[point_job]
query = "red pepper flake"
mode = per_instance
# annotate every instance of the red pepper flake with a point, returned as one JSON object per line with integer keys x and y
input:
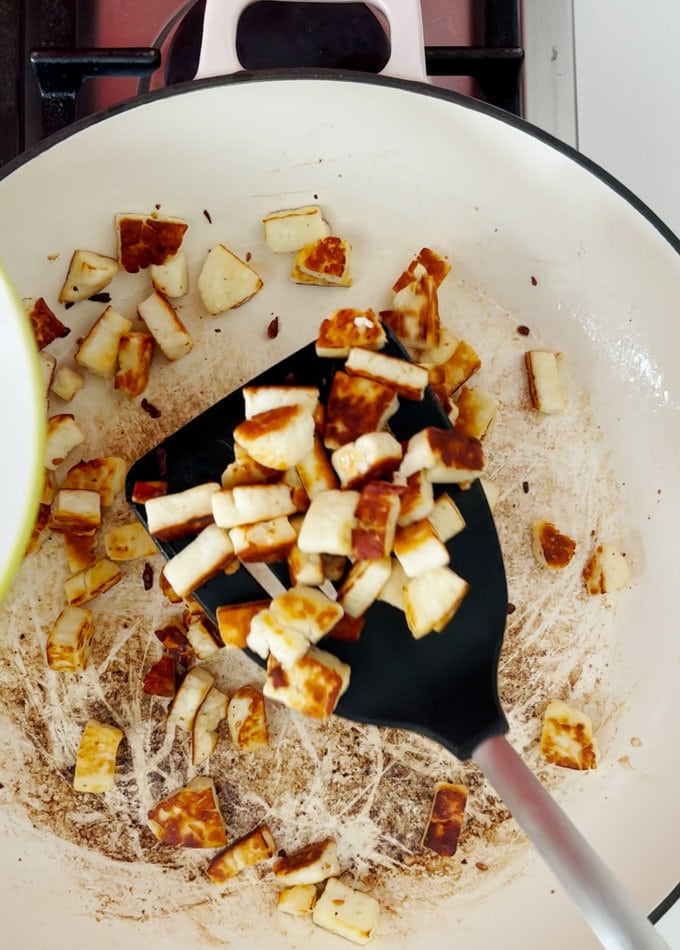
{"x": 206, "y": 215}
{"x": 149, "y": 407}
{"x": 481, "y": 866}
{"x": 273, "y": 329}
{"x": 162, "y": 459}
{"x": 510, "y": 609}
{"x": 249, "y": 257}
{"x": 534, "y": 282}
{"x": 147, "y": 576}
{"x": 525, "y": 487}
{"x": 523, "y": 331}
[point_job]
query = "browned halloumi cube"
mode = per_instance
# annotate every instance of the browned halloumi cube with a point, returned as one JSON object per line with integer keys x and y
{"x": 76, "y": 511}
{"x": 126, "y": 542}
{"x": 69, "y": 640}
{"x": 63, "y": 435}
{"x": 414, "y": 316}
{"x": 96, "y": 758}
{"x": 328, "y": 523}
{"x": 278, "y": 438}
{"x": 324, "y": 262}
{"x": 374, "y": 455}
{"x": 418, "y": 548}
{"x": 406, "y": 379}
{"x": 203, "y": 557}
{"x": 45, "y": 324}
{"x": 431, "y": 599}
{"x": 606, "y": 570}
{"x": 446, "y": 518}
{"x": 311, "y": 686}
{"x": 334, "y": 566}
{"x": 567, "y": 737}
{"x": 349, "y": 327}
{"x": 417, "y": 499}
{"x": 434, "y": 265}
{"x": 253, "y": 848}
{"x": 267, "y": 635}
{"x": 81, "y": 551}
{"x": 362, "y": 585}
{"x": 356, "y": 405}
{"x": 181, "y": 513}
{"x": 477, "y": 409}
{"x": 143, "y": 491}
{"x": 233, "y": 621}
{"x": 190, "y": 817}
{"x": 376, "y": 516}
{"x": 308, "y": 610}
{"x": 348, "y": 628}
{"x": 225, "y": 281}
{"x": 298, "y": 900}
{"x": 161, "y": 679}
{"x": 545, "y": 385}
{"x": 438, "y": 355}
{"x": 167, "y": 591}
{"x": 305, "y": 568}
{"x": 92, "y": 582}
{"x": 204, "y": 736}
{"x": 551, "y": 547}
{"x": 257, "y": 399}
{"x": 98, "y": 350}
{"x": 463, "y": 363}
{"x": 309, "y": 865}
{"x": 267, "y": 541}
{"x": 135, "y": 354}
{"x": 393, "y": 590}
{"x": 445, "y": 455}
{"x": 172, "y": 277}
{"x": 347, "y": 912}
{"x": 193, "y": 689}
{"x": 202, "y": 634}
{"x": 105, "y": 475}
{"x": 315, "y": 471}
{"x": 144, "y": 240}
{"x": 172, "y": 337}
{"x": 248, "y": 504}
{"x": 67, "y": 383}
{"x": 289, "y": 230}
{"x": 246, "y": 471}
{"x": 88, "y": 274}
{"x": 446, "y": 819}
{"x": 247, "y": 719}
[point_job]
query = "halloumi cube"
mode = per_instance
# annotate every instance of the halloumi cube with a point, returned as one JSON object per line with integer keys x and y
{"x": 315, "y": 471}
{"x": 135, "y": 354}
{"x": 406, "y": 379}
{"x": 172, "y": 277}
{"x": 344, "y": 911}
{"x": 233, "y": 622}
{"x": 309, "y": 865}
{"x": 293, "y": 228}
{"x": 418, "y": 548}
{"x": 98, "y": 350}
{"x": 202, "y": 635}
{"x": 253, "y": 848}
{"x": 545, "y": 385}
{"x": 551, "y": 548}
{"x": 63, "y": 435}
{"x": 446, "y": 518}
{"x": 356, "y": 405}
{"x": 362, "y": 585}
{"x": 247, "y": 719}
{"x": 328, "y": 523}
{"x": 298, "y": 900}
{"x": 477, "y": 410}
{"x": 376, "y": 518}
{"x": 248, "y": 504}
{"x": 334, "y": 566}
{"x": 393, "y": 590}
{"x": 246, "y": 471}
{"x": 69, "y": 641}
{"x": 374, "y": 455}
{"x": 445, "y": 821}
{"x": 181, "y": 513}
{"x": 266, "y": 541}
{"x": 311, "y": 686}
{"x": 607, "y": 570}
{"x": 417, "y": 499}
{"x": 414, "y": 316}
{"x": 346, "y": 328}
{"x": 431, "y": 599}
{"x": 190, "y": 817}
{"x": 45, "y": 324}
{"x": 225, "y": 281}
{"x": 172, "y": 337}
{"x": 445, "y": 455}
{"x": 80, "y": 550}
{"x": 567, "y": 737}
{"x": 426, "y": 261}
{"x": 96, "y": 758}
{"x": 67, "y": 383}
{"x": 324, "y": 262}
{"x": 88, "y": 274}
{"x": 267, "y": 635}
{"x": 125, "y": 542}
{"x": 305, "y": 568}
{"x": 188, "y": 699}
{"x": 76, "y": 511}
{"x": 205, "y": 555}
{"x": 278, "y": 438}
{"x": 144, "y": 239}
{"x": 348, "y": 628}
{"x": 449, "y": 376}
{"x": 210, "y": 713}
{"x": 92, "y": 582}
{"x": 307, "y": 610}
{"x": 259, "y": 399}
{"x": 105, "y": 475}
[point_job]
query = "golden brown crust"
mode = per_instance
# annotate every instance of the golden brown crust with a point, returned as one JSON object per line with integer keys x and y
{"x": 145, "y": 241}
{"x": 446, "y": 819}
{"x": 355, "y": 406}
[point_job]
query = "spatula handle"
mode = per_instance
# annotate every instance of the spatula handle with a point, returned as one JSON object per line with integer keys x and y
{"x": 605, "y": 905}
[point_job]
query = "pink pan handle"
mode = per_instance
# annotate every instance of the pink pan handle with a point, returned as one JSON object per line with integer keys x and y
{"x": 407, "y": 57}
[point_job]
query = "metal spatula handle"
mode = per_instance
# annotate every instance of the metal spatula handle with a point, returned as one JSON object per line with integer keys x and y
{"x": 605, "y": 905}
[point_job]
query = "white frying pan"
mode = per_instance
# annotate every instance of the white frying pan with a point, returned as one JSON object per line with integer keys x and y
{"x": 396, "y": 164}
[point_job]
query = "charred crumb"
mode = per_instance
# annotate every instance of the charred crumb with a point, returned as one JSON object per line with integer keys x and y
{"x": 103, "y": 297}
{"x": 157, "y": 207}
{"x": 249, "y": 257}
{"x": 510, "y": 609}
{"x": 523, "y": 330}
{"x": 218, "y": 329}
{"x": 525, "y": 487}
{"x": 206, "y": 215}
{"x": 534, "y": 282}
{"x": 152, "y": 410}
{"x": 67, "y": 306}
{"x": 273, "y": 328}
{"x": 147, "y": 576}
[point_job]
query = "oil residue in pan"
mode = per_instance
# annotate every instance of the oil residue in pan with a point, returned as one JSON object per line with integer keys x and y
{"x": 368, "y": 789}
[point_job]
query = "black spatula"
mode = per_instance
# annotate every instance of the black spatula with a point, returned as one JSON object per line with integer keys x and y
{"x": 444, "y": 685}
